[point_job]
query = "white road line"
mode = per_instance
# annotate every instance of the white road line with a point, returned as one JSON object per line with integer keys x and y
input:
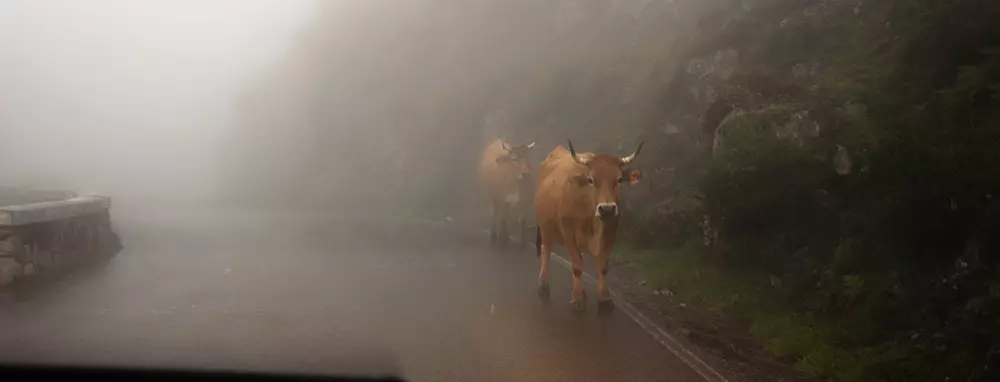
{"x": 659, "y": 334}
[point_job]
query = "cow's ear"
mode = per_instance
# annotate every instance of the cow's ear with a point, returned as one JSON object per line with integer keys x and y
{"x": 633, "y": 175}
{"x": 503, "y": 159}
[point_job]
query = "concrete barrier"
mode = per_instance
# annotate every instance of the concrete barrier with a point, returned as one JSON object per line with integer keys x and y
{"x": 45, "y": 235}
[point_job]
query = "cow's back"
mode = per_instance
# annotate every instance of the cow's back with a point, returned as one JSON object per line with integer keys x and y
{"x": 553, "y": 169}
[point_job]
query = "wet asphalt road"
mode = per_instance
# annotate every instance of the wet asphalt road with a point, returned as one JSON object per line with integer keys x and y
{"x": 309, "y": 296}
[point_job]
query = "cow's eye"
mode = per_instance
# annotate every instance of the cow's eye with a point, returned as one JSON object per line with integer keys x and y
{"x": 590, "y": 179}
{"x": 621, "y": 180}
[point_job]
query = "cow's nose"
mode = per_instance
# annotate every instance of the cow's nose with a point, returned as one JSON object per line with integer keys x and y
{"x": 607, "y": 210}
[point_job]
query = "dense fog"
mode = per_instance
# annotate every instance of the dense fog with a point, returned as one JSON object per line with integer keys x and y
{"x": 130, "y": 99}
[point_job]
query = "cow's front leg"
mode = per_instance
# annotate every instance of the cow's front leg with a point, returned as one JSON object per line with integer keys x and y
{"x": 604, "y": 303}
{"x": 503, "y": 235}
{"x": 579, "y": 296}
{"x": 493, "y": 223}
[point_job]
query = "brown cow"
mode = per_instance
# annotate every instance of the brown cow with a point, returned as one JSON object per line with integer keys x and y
{"x": 576, "y": 205}
{"x": 504, "y": 174}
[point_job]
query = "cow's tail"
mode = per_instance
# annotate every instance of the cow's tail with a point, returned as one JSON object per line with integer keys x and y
{"x": 538, "y": 241}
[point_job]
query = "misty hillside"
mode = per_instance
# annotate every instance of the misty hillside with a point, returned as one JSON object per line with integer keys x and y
{"x": 821, "y": 173}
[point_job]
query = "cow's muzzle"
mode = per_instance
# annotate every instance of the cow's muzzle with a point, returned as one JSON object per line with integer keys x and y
{"x": 606, "y": 210}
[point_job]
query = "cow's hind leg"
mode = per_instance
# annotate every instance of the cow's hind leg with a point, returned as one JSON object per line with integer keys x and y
{"x": 544, "y": 251}
{"x": 524, "y": 230}
{"x": 604, "y": 303}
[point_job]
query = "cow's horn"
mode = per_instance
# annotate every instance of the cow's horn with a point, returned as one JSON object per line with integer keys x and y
{"x": 572, "y": 152}
{"x": 628, "y": 159}
{"x": 530, "y": 145}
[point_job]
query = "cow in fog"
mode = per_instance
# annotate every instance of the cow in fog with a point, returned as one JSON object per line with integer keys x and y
{"x": 504, "y": 176}
{"x": 576, "y": 205}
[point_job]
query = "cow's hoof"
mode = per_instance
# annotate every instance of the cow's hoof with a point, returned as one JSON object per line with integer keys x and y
{"x": 543, "y": 290}
{"x": 605, "y": 306}
{"x": 578, "y": 305}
